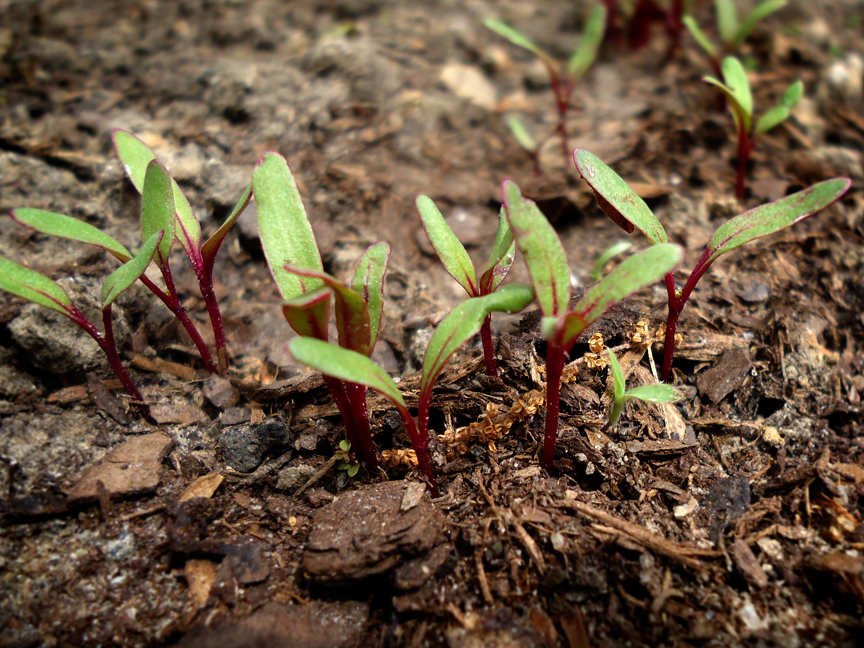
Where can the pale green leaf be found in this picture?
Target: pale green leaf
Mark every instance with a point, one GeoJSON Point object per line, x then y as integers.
{"type": "Point", "coordinates": [520, 134]}
{"type": "Point", "coordinates": [760, 12]}
{"type": "Point", "coordinates": [286, 234]}
{"type": "Point", "coordinates": [655, 394]}
{"type": "Point", "coordinates": [609, 253]}
{"type": "Point", "coordinates": [617, 377]}
{"type": "Point", "coordinates": [501, 259]}
{"type": "Point", "coordinates": [463, 322]}
{"type": "Point", "coordinates": [727, 20]}
{"type": "Point", "coordinates": [592, 36]}
{"type": "Point", "coordinates": [127, 274]}
{"type": "Point", "coordinates": [742, 119]}
{"type": "Point", "coordinates": [773, 217]}
{"type": "Point", "coordinates": [211, 247]}
{"type": "Point", "coordinates": [699, 35]}
{"type": "Point", "coordinates": [774, 117]}
{"type": "Point", "coordinates": [735, 78]}
{"type": "Point", "coordinates": [368, 281]}
{"type": "Point", "coordinates": [793, 94]}
{"type": "Point", "coordinates": [33, 286]}
{"type": "Point", "coordinates": [157, 209]}
{"type": "Point", "coordinates": [450, 250]}
{"type": "Point", "coordinates": [542, 249]}
{"type": "Point", "coordinates": [345, 365]}
{"type": "Point", "coordinates": [617, 199]}
{"type": "Point", "coordinates": [69, 228]}
{"type": "Point", "coordinates": [514, 36]}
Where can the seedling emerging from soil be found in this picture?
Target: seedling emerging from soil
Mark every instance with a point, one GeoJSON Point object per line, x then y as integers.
{"type": "Point", "coordinates": [736, 89]}
{"type": "Point", "coordinates": [647, 393]}
{"type": "Point", "coordinates": [732, 32]}
{"type": "Point", "coordinates": [550, 274]}
{"type": "Point", "coordinates": [295, 263]}
{"type": "Point", "coordinates": [345, 460]}
{"type": "Point", "coordinates": [607, 255]}
{"type": "Point", "coordinates": [458, 264]}
{"type": "Point", "coordinates": [136, 156]}
{"type": "Point", "coordinates": [628, 210]}
{"type": "Point", "coordinates": [41, 290]}
{"type": "Point", "coordinates": [453, 331]}
{"type": "Point", "coordinates": [563, 81]}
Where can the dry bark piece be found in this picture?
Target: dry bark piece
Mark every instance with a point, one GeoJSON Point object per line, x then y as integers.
{"type": "Point", "coordinates": [726, 376]}
{"type": "Point", "coordinates": [748, 564]}
{"type": "Point", "coordinates": [365, 532]}
{"type": "Point", "coordinates": [220, 392]}
{"type": "Point", "coordinates": [204, 486]}
{"type": "Point", "coordinates": [132, 469]}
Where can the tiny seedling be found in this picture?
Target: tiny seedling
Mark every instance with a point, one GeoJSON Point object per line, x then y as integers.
{"type": "Point", "coordinates": [618, 247]}
{"type": "Point", "coordinates": [562, 325]}
{"type": "Point", "coordinates": [732, 32]}
{"type": "Point", "coordinates": [736, 88]}
{"type": "Point", "coordinates": [295, 263]}
{"type": "Point", "coordinates": [564, 81]}
{"type": "Point", "coordinates": [648, 393]}
{"type": "Point", "coordinates": [458, 264]}
{"type": "Point", "coordinates": [41, 290]}
{"type": "Point", "coordinates": [626, 208]}
{"type": "Point", "coordinates": [345, 460]}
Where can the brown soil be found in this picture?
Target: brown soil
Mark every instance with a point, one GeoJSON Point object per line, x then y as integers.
{"type": "Point", "coordinates": [732, 518]}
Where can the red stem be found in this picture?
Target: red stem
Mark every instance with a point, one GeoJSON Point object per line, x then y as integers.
{"type": "Point", "coordinates": [340, 397]}
{"type": "Point", "coordinates": [676, 306]}
{"type": "Point", "coordinates": [205, 283]}
{"type": "Point", "coordinates": [745, 146]}
{"type": "Point", "coordinates": [420, 442]}
{"type": "Point", "coordinates": [366, 447]}
{"type": "Point", "coordinates": [554, 367]}
{"type": "Point", "coordinates": [488, 348]}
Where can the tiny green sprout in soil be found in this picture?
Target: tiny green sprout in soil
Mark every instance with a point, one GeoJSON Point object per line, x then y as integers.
{"type": "Point", "coordinates": [622, 205]}
{"type": "Point", "coordinates": [736, 88]}
{"type": "Point", "coordinates": [345, 460]}
{"type": "Point", "coordinates": [458, 264]}
{"type": "Point", "coordinates": [648, 393]}
{"type": "Point", "coordinates": [550, 275]}
{"type": "Point", "coordinates": [563, 81]}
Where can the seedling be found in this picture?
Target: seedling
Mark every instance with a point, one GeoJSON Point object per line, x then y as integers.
{"type": "Point", "coordinates": [458, 264]}
{"type": "Point", "coordinates": [345, 460]}
{"type": "Point", "coordinates": [736, 89]}
{"type": "Point", "coordinates": [136, 156]}
{"type": "Point", "coordinates": [564, 81]}
{"type": "Point", "coordinates": [732, 32]}
{"type": "Point", "coordinates": [642, 15]}
{"type": "Point", "coordinates": [648, 393]}
{"type": "Point", "coordinates": [626, 208]}
{"type": "Point", "coordinates": [295, 263]}
{"type": "Point", "coordinates": [619, 247]}
{"type": "Point", "coordinates": [562, 325]}
{"type": "Point", "coordinates": [39, 289]}
{"type": "Point", "coordinates": [453, 331]}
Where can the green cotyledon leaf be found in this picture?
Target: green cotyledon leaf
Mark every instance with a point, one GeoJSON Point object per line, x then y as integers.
{"type": "Point", "coordinates": [542, 249]}
{"type": "Point", "coordinates": [736, 87]}
{"type": "Point", "coordinates": [616, 198]}
{"type": "Point", "coordinates": [727, 20]}
{"type": "Point", "coordinates": [655, 394]}
{"type": "Point", "coordinates": [767, 219]}
{"type": "Point", "coordinates": [759, 12]}
{"type": "Point", "coordinates": [33, 286]}
{"type": "Point", "coordinates": [211, 247]}
{"type": "Point", "coordinates": [513, 35]}
{"type": "Point", "coordinates": [592, 36]}
{"type": "Point", "coordinates": [345, 365]}
{"type": "Point", "coordinates": [502, 257]}
{"type": "Point", "coordinates": [617, 377]}
{"type": "Point", "coordinates": [157, 209]}
{"type": "Point", "coordinates": [618, 247]}
{"type": "Point", "coordinates": [135, 156]}
{"type": "Point", "coordinates": [127, 274]}
{"type": "Point", "coordinates": [352, 314]}
{"type": "Point", "coordinates": [699, 35]}
{"type": "Point", "coordinates": [286, 234]}
{"type": "Point", "coordinates": [69, 228]}
{"type": "Point", "coordinates": [780, 113]}
{"type": "Point", "coordinates": [450, 250]}
{"type": "Point", "coordinates": [463, 322]}
{"type": "Point", "coordinates": [368, 281]}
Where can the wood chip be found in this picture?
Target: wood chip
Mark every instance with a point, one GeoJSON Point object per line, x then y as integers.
{"type": "Point", "coordinates": [204, 487]}
{"type": "Point", "coordinates": [163, 366]}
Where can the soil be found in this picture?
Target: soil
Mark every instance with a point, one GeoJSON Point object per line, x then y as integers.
{"type": "Point", "coordinates": [731, 518]}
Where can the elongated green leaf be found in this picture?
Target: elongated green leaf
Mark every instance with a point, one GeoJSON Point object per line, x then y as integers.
{"type": "Point", "coordinates": [368, 281]}
{"type": "Point", "coordinates": [286, 234]}
{"type": "Point", "coordinates": [514, 36]}
{"type": "Point", "coordinates": [735, 78]}
{"type": "Point", "coordinates": [617, 377]}
{"type": "Point", "coordinates": [157, 209]}
{"type": "Point", "coordinates": [33, 286]}
{"type": "Point", "coordinates": [345, 365]}
{"type": "Point", "coordinates": [352, 314]}
{"type": "Point", "coordinates": [501, 259]}
{"type": "Point", "coordinates": [135, 156]}
{"type": "Point", "coordinates": [727, 20]}
{"type": "Point", "coordinates": [309, 313]}
{"type": "Point", "coordinates": [641, 270]}
{"type": "Point", "coordinates": [617, 199]}
{"type": "Point", "coordinates": [793, 94]}
{"type": "Point", "coordinates": [655, 394]}
{"type": "Point", "coordinates": [760, 12]}
{"type": "Point", "coordinates": [449, 249]}
{"type": "Point", "coordinates": [592, 36]}
{"type": "Point", "coordinates": [774, 117]}
{"type": "Point", "coordinates": [127, 274]}
{"type": "Point", "coordinates": [463, 322]}
{"type": "Point", "coordinates": [699, 35]}
{"type": "Point", "coordinates": [609, 253]}
{"type": "Point", "coordinates": [542, 249]}
{"type": "Point", "coordinates": [770, 218]}
{"type": "Point", "coordinates": [742, 119]}
{"type": "Point", "coordinates": [521, 134]}
{"type": "Point", "coordinates": [211, 247]}
{"type": "Point", "coordinates": [69, 228]}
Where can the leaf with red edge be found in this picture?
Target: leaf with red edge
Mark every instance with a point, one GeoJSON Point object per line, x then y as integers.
{"type": "Point", "coordinates": [368, 282]}
{"type": "Point", "coordinates": [309, 313]}
{"type": "Point", "coordinates": [502, 257]}
{"type": "Point", "coordinates": [211, 247]}
{"type": "Point", "coordinates": [123, 277]}
{"type": "Point", "coordinates": [157, 209]}
{"type": "Point", "coordinates": [69, 228]}
{"type": "Point", "coordinates": [33, 286]}
{"type": "Point", "coordinates": [449, 249]}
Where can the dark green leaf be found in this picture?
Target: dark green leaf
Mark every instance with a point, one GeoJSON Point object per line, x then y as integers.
{"type": "Point", "coordinates": [127, 274]}
{"type": "Point", "coordinates": [157, 209]}
{"type": "Point", "coordinates": [369, 274]}
{"type": "Point", "coordinates": [449, 249]}
{"type": "Point", "coordinates": [33, 286]}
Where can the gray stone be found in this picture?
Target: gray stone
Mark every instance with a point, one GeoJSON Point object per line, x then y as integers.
{"type": "Point", "coordinates": [245, 447]}
{"type": "Point", "coordinates": [293, 477]}
{"type": "Point", "coordinates": [220, 392]}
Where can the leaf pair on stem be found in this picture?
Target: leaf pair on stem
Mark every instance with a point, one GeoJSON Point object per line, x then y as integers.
{"type": "Point", "coordinates": [563, 82]}
{"type": "Point", "coordinates": [627, 209]}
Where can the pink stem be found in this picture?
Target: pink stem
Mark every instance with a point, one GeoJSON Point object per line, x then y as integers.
{"type": "Point", "coordinates": [366, 447]}
{"type": "Point", "coordinates": [420, 442]}
{"type": "Point", "coordinates": [340, 397]}
{"type": "Point", "coordinates": [745, 146]}
{"type": "Point", "coordinates": [554, 367]}
{"type": "Point", "coordinates": [676, 306]}
{"type": "Point", "coordinates": [205, 283]}
{"type": "Point", "coordinates": [488, 347]}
